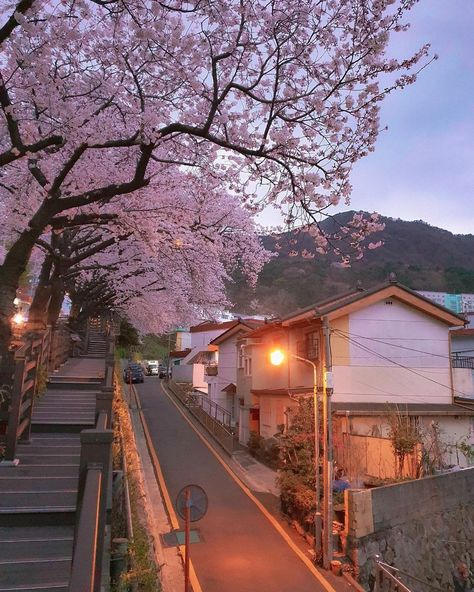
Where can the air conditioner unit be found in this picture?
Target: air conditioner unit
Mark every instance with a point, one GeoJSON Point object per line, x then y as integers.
{"type": "Point", "coordinates": [249, 341]}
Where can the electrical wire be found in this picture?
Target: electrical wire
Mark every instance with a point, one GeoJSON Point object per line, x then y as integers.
{"type": "Point", "coordinates": [365, 348]}
{"type": "Point", "coordinates": [394, 344]}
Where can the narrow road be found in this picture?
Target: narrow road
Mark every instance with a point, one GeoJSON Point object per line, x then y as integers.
{"type": "Point", "coordinates": [240, 550]}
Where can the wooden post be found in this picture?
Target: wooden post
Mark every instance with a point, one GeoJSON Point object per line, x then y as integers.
{"type": "Point", "coordinates": [15, 405]}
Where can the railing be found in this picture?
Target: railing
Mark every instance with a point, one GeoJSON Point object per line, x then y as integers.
{"type": "Point", "coordinates": [94, 484]}
{"type": "Point", "coordinates": [104, 399]}
{"type": "Point", "coordinates": [458, 361]}
{"type": "Point", "coordinates": [60, 348]}
{"type": "Point", "coordinates": [386, 581]}
{"type": "Point", "coordinates": [23, 391]}
{"type": "Point", "coordinates": [95, 474]}
{"type": "Point", "coordinates": [212, 416]}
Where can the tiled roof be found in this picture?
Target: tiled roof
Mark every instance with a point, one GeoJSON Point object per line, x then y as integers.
{"type": "Point", "coordinates": [211, 326]}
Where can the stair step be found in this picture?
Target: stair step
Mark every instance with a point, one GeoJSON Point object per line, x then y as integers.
{"type": "Point", "coordinates": [37, 484]}
{"type": "Point", "coordinates": [37, 501]}
{"type": "Point", "coordinates": [73, 386]}
{"type": "Point", "coordinates": [49, 448]}
{"type": "Point", "coordinates": [39, 548]}
{"type": "Point", "coordinates": [41, 470]}
{"type": "Point", "coordinates": [60, 427]}
{"type": "Point", "coordinates": [51, 574]}
{"type": "Point", "coordinates": [35, 533]}
{"type": "Point", "coordinates": [56, 440]}
{"type": "Point", "coordinates": [71, 378]}
{"type": "Point", "coordinates": [48, 459]}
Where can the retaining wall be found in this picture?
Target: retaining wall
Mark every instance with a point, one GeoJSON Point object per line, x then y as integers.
{"type": "Point", "coordinates": [423, 527]}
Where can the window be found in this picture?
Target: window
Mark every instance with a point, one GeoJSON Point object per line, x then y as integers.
{"type": "Point", "coordinates": [240, 356]}
{"type": "Point", "coordinates": [248, 366]}
{"type": "Point", "coordinates": [312, 346]}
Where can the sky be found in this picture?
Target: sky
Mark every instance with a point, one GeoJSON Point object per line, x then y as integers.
{"type": "Point", "coordinates": [423, 166]}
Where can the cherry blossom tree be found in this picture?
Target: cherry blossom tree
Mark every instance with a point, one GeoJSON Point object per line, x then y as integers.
{"type": "Point", "coordinates": [102, 100]}
{"type": "Point", "coordinates": [159, 264]}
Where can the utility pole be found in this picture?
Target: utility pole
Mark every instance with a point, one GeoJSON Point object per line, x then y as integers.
{"type": "Point", "coordinates": [327, 456]}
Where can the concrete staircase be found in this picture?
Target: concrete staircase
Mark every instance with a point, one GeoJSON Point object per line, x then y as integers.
{"type": "Point", "coordinates": [97, 344]}
{"type": "Point", "coordinates": [38, 496]}
{"type": "Point", "coordinates": [35, 558]}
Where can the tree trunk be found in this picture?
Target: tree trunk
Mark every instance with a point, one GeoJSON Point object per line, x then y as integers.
{"type": "Point", "coordinates": [13, 267]}
{"type": "Point", "coordinates": [37, 318]}
{"type": "Point", "coordinates": [56, 301]}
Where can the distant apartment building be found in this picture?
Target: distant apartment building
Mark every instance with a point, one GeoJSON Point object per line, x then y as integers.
{"type": "Point", "coordinates": [458, 303]}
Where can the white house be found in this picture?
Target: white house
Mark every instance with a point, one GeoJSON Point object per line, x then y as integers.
{"type": "Point", "coordinates": [221, 373]}
{"type": "Point", "coordinates": [388, 347]}
{"type": "Point", "coordinates": [200, 355]}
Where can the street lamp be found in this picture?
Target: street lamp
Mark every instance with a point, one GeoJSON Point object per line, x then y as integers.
{"type": "Point", "coordinates": [277, 357]}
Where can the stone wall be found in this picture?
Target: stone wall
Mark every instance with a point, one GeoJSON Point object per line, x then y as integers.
{"type": "Point", "coordinates": [423, 527]}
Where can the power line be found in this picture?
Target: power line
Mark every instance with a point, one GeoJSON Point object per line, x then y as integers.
{"type": "Point", "coordinates": [365, 348]}
{"type": "Point", "coordinates": [393, 344]}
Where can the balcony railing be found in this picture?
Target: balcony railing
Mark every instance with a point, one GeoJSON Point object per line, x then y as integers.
{"type": "Point", "coordinates": [458, 361]}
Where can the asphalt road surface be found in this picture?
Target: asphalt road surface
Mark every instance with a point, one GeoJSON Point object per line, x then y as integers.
{"type": "Point", "coordinates": [240, 550]}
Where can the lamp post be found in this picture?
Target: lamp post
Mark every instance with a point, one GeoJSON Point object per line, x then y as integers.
{"type": "Point", "coordinates": [276, 358]}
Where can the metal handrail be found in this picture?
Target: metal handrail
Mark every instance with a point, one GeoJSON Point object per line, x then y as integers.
{"type": "Point", "coordinates": [207, 413]}
{"type": "Point", "coordinates": [84, 562]}
{"type": "Point", "coordinates": [458, 361]}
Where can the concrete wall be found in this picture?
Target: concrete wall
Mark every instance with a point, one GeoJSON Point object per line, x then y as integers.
{"type": "Point", "coordinates": [182, 373]}
{"type": "Point", "coordinates": [422, 527]}
{"type": "Point", "coordinates": [362, 445]}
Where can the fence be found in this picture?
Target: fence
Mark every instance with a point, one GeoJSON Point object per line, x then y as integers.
{"type": "Point", "coordinates": [23, 391]}
{"type": "Point", "coordinates": [371, 456]}
{"type": "Point", "coordinates": [458, 361]}
{"type": "Point", "coordinates": [60, 347]}
{"type": "Point", "coordinates": [212, 416]}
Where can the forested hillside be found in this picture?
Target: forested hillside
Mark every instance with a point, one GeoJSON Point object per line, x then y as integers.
{"type": "Point", "coordinates": [422, 257]}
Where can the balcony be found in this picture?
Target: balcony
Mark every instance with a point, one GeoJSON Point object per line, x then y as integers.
{"type": "Point", "coordinates": [211, 370]}
{"type": "Point", "coordinates": [458, 361]}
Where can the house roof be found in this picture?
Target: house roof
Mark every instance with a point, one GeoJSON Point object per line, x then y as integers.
{"type": "Point", "coordinates": [266, 328]}
{"type": "Point", "coordinates": [364, 409]}
{"type": "Point", "coordinates": [357, 299]}
{"type": "Point", "coordinates": [230, 388]}
{"type": "Point", "coordinates": [241, 325]}
{"type": "Point", "coordinates": [212, 326]}
{"type": "Point", "coordinates": [463, 332]}
{"type": "Point", "coordinates": [303, 390]}
{"type": "Point", "coordinates": [180, 353]}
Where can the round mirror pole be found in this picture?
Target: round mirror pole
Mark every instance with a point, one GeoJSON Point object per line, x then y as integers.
{"type": "Point", "coordinates": [187, 542]}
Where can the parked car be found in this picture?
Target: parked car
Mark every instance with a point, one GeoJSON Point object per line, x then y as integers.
{"type": "Point", "coordinates": [164, 372]}
{"type": "Point", "coordinates": [133, 373]}
{"type": "Point", "coordinates": [152, 368]}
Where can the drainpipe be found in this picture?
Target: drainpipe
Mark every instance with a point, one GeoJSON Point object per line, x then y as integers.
{"type": "Point", "coordinates": [328, 453]}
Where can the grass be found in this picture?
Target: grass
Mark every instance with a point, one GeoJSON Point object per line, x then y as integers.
{"type": "Point", "coordinates": [143, 574]}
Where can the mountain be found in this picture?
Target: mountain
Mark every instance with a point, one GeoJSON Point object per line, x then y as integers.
{"type": "Point", "coordinates": [423, 257]}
